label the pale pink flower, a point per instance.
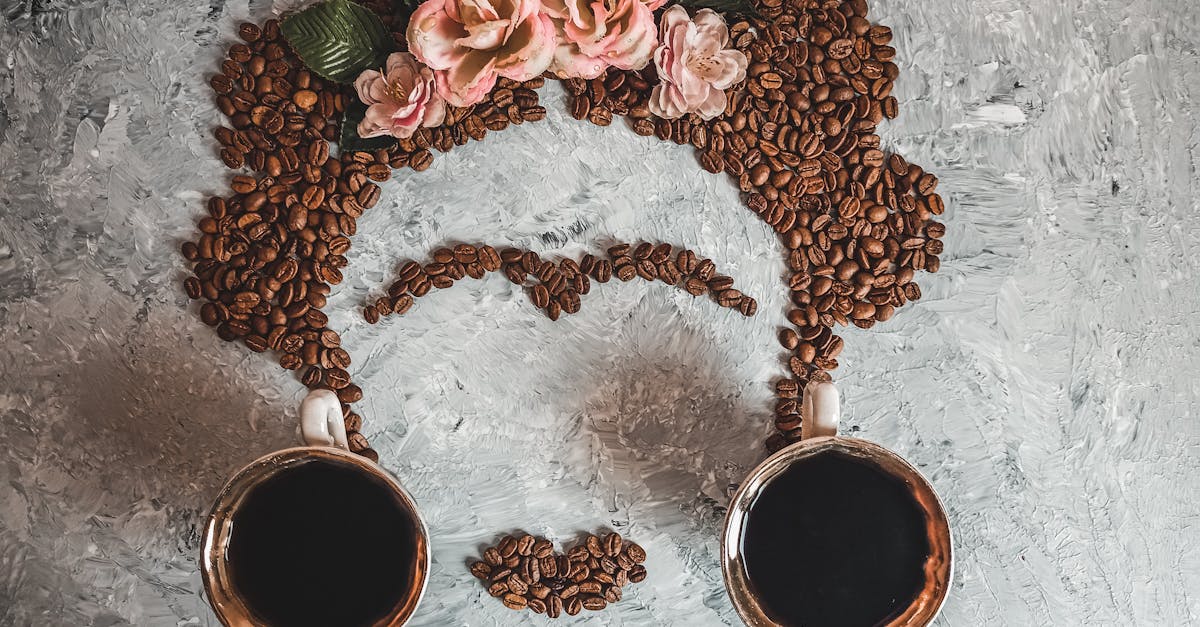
(594, 35)
(470, 43)
(400, 99)
(695, 65)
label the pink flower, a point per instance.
(694, 65)
(400, 100)
(470, 43)
(596, 34)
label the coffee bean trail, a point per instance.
(554, 287)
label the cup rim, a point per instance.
(939, 566)
(229, 608)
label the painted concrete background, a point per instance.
(1047, 383)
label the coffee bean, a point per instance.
(626, 272)
(192, 287)
(613, 544)
(540, 296)
(233, 159)
(350, 394)
(686, 261)
(618, 250)
(787, 388)
(729, 298)
(489, 259)
(336, 378)
(695, 286)
(647, 270)
(514, 601)
(481, 570)
(570, 302)
(770, 80)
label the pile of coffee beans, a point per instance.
(524, 572)
(557, 287)
(799, 138)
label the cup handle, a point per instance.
(321, 420)
(820, 410)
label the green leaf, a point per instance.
(740, 7)
(350, 141)
(338, 39)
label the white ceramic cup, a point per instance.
(324, 435)
(820, 413)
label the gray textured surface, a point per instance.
(1046, 384)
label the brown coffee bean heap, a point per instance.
(557, 287)
(524, 572)
(799, 137)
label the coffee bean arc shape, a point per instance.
(556, 287)
(798, 136)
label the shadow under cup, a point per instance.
(869, 532)
(314, 536)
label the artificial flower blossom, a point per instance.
(471, 43)
(695, 65)
(594, 35)
(399, 99)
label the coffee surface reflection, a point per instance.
(834, 541)
(319, 544)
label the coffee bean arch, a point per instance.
(799, 137)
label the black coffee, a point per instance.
(324, 545)
(834, 541)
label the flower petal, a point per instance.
(365, 84)
(485, 36)
(530, 50)
(713, 105)
(432, 34)
(712, 27)
(732, 69)
(435, 112)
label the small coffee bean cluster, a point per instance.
(557, 287)
(524, 572)
(799, 137)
